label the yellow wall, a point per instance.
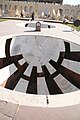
(51, 11)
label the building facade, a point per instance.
(45, 1)
(41, 10)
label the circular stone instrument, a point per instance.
(42, 64)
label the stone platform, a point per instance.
(39, 50)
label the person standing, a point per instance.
(21, 14)
(32, 17)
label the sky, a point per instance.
(72, 2)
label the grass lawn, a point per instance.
(1, 19)
(77, 28)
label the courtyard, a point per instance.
(38, 49)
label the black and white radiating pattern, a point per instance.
(41, 65)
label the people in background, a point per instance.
(32, 17)
(21, 14)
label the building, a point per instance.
(42, 10)
(45, 1)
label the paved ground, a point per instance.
(16, 111)
(9, 27)
(10, 111)
(13, 27)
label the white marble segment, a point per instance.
(64, 84)
(28, 70)
(74, 47)
(4, 74)
(42, 86)
(2, 47)
(37, 50)
(50, 68)
(72, 65)
(22, 61)
(21, 86)
(39, 69)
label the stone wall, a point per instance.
(41, 10)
